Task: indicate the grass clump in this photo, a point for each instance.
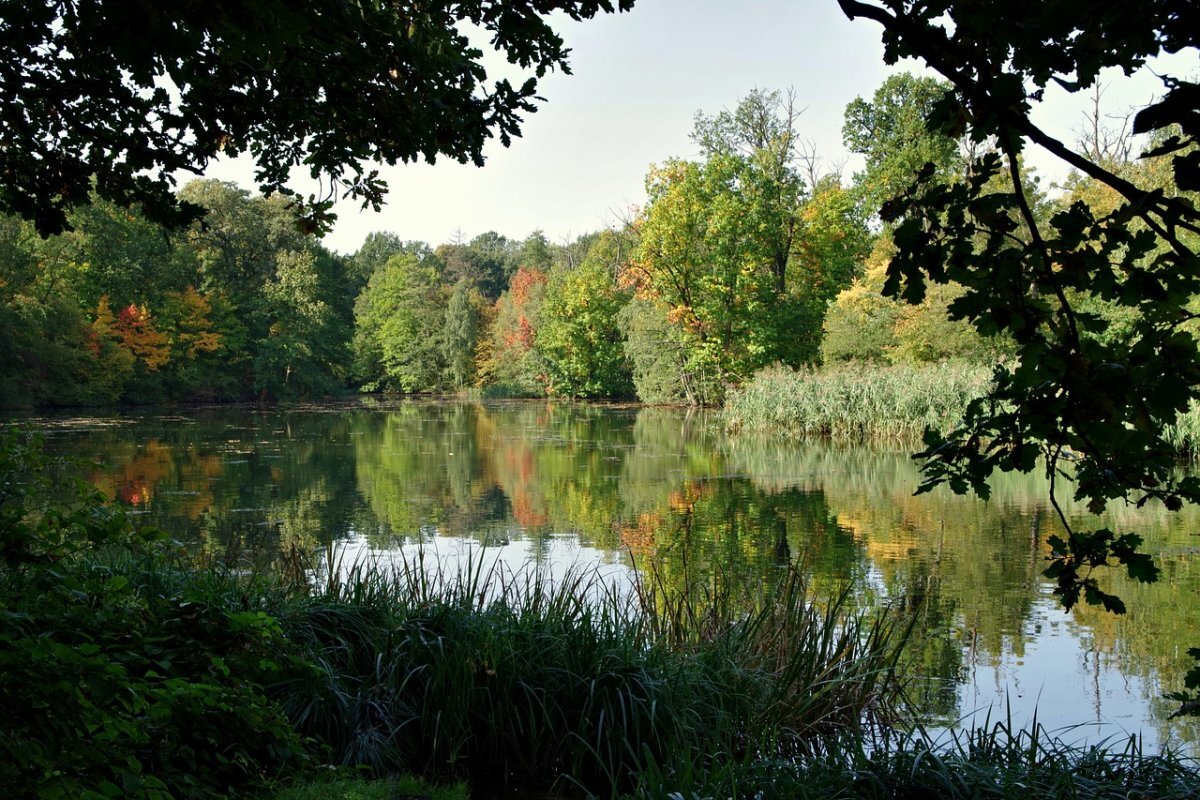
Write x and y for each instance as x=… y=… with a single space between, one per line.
x=994 y=762
x=1184 y=434
x=1000 y=762
x=857 y=401
x=513 y=682
x=404 y=787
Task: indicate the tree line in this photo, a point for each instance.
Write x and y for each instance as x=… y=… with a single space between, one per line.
x=751 y=255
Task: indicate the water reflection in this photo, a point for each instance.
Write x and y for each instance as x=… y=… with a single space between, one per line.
x=658 y=489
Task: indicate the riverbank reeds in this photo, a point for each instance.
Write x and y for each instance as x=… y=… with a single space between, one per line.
x=514 y=681
x=863 y=402
x=1184 y=435
x=856 y=402
x=992 y=762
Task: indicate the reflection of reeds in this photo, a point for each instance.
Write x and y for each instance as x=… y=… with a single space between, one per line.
x=514 y=680
x=858 y=402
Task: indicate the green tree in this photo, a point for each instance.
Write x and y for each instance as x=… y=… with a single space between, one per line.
x=326 y=85
x=233 y=244
x=743 y=253
x=399 y=320
x=460 y=336
x=579 y=338
x=891 y=133
x=535 y=253
x=284 y=290
x=297 y=356
x=761 y=134
x=375 y=251
x=657 y=351
x=833 y=243
x=122 y=254
x=482 y=262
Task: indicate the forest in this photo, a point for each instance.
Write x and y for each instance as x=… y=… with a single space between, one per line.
x=757 y=255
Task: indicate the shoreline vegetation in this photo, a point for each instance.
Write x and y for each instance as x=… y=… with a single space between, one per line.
x=855 y=401
x=130 y=669
x=872 y=402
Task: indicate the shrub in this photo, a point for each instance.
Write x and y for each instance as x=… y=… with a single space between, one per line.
x=110 y=685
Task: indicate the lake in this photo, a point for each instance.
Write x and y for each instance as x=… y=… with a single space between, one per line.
x=661 y=491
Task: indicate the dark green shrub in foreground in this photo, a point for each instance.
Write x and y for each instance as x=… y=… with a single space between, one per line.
x=109 y=686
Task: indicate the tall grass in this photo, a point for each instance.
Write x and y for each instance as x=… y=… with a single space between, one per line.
x=994 y=762
x=860 y=402
x=856 y=401
x=1184 y=435
x=512 y=681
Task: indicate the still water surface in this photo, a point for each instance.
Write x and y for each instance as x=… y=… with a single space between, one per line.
x=628 y=490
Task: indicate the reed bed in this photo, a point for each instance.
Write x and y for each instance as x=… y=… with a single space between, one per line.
x=856 y=402
x=1184 y=435
x=863 y=402
x=992 y=762
x=517 y=683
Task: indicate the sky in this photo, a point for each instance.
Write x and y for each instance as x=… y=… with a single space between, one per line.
x=638 y=81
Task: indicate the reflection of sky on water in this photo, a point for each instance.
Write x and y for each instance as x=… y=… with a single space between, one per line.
x=552 y=560
x=1060 y=682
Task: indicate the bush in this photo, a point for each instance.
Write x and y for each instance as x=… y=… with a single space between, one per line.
x=112 y=685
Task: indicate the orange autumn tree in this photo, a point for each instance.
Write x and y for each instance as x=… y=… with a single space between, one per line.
x=138 y=334
x=514 y=362
x=133 y=329
x=114 y=362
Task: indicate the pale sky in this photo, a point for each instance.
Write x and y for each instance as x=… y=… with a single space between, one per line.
x=639 y=79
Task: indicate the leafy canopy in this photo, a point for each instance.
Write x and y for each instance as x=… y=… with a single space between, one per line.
x=891 y=134
x=1090 y=409
x=117 y=95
